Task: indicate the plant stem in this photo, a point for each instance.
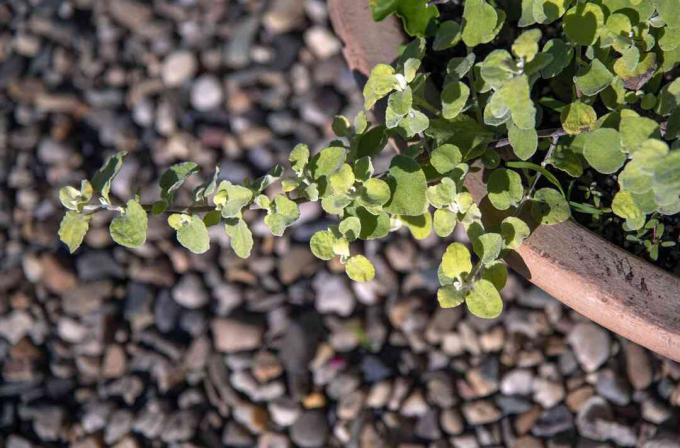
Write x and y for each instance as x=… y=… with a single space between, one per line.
x=471 y=77
x=534 y=184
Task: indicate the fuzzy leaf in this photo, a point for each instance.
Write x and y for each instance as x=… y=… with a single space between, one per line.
x=488 y=247
x=450 y=297
x=550 y=206
x=484 y=300
x=505 y=188
x=456 y=261
x=594 y=79
x=481 y=22
x=514 y=232
x=448 y=35
x=240 y=237
x=129 y=228
x=578 y=117
x=444 y=222
x=381 y=82
x=73 y=228
x=360 y=269
x=408 y=187
x=454 y=97
x=603 y=150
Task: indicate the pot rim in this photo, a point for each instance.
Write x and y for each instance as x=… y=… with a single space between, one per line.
x=598 y=279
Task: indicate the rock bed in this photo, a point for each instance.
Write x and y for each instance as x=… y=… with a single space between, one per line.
x=152 y=347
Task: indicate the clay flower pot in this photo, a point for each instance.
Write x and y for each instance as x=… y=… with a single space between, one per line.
x=610 y=286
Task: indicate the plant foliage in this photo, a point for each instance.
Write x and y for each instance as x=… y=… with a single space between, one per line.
x=534 y=95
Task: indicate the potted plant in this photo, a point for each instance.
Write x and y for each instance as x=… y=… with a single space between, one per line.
x=470 y=150
x=600 y=280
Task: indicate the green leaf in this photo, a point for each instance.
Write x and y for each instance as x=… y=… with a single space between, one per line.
x=561 y=54
x=448 y=35
x=328 y=161
x=322 y=243
x=456 y=261
x=240 y=237
x=484 y=300
x=363 y=169
x=360 y=269
x=299 y=158
x=624 y=206
x=454 y=97
x=191 y=232
x=373 y=226
x=350 y=227
x=411 y=67
x=414 y=123
x=283 y=213
x=342 y=180
x=381 y=82
x=582 y=22
x=505 y=188
x=497 y=274
x=526 y=45
x=514 y=97
x=73 y=228
x=549 y=206
x=488 y=247
x=481 y=22
x=667 y=173
x=129 y=228
x=408 y=187
x=415 y=14
x=101 y=181
x=514 y=231
x=173 y=178
x=74 y=199
x=420 y=226
x=335 y=205
x=578 y=117
x=603 y=150
x=669 y=98
x=635 y=130
x=445 y=158
x=443 y=194
x=444 y=222
x=450 y=297
x=547 y=11
x=524 y=142
x=372 y=142
x=459 y=67
x=231 y=199
x=594 y=79
x=375 y=193
x=341 y=126
x=202 y=192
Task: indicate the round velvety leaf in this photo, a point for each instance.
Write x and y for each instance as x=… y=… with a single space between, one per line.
x=450 y=297
x=360 y=269
x=603 y=151
x=550 y=207
x=505 y=188
x=484 y=300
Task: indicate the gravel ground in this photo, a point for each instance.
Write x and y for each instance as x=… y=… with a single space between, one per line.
x=157 y=347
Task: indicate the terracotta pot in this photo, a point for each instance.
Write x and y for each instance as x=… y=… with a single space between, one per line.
x=610 y=286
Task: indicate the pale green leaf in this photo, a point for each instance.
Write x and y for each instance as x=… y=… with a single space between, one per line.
x=484 y=301
x=444 y=222
x=240 y=237
x=73 y=228
x=360 y=269
x=514 y=232
x=505 y=188
x=129 y=228
x=445 y=158
x=549 y=206
x=408 y=187
x=450 y=296
x=456 y=261
x=448 y=35
x=603 y=150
